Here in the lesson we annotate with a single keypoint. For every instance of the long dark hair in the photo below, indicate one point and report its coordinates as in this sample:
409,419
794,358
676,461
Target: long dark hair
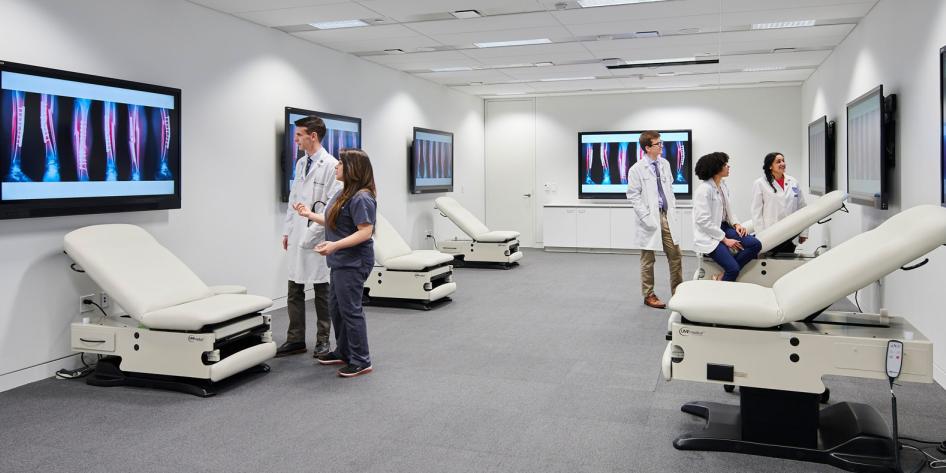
767,167
357,176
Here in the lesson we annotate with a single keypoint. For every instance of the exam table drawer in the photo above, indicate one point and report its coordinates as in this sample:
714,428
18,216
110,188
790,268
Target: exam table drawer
91,338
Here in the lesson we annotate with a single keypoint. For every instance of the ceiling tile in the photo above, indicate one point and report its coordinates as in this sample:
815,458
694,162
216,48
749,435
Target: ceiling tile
491,23
236,6
465,77
411,10
554,33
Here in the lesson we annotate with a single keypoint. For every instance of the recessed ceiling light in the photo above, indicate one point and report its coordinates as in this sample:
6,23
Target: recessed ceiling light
666,74
451,69
783,24
476,83
507,66
605,3
763,68
783,50
612,61
646,34
690,30
521,42
680,61
331,25
424,49
557,79
394,51
464,14
544,64
605,37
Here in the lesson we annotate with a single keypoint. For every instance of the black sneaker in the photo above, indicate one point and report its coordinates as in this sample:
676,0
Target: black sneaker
321,348
350,371
330,358
290,348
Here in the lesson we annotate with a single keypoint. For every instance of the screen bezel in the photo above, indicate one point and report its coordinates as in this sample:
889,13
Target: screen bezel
95,205
877,93
286,162
942,128
412,165
622,196
822,188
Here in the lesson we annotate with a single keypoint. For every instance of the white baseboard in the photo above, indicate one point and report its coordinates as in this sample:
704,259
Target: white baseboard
37,373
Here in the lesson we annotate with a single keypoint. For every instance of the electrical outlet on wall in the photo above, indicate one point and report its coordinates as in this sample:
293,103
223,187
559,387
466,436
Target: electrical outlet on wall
104,299
86,307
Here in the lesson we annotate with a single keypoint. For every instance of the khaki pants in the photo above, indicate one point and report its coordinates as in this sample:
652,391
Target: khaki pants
673,257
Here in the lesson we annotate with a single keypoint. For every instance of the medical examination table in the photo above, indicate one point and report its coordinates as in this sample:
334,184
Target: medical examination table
179,333
406,277
485,248
776,344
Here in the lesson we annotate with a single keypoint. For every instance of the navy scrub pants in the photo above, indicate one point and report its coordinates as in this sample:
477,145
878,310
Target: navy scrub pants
348,317
730,263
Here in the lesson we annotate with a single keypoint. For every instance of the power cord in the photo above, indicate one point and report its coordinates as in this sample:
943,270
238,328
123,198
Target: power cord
91,302
858,304
927,459
82,372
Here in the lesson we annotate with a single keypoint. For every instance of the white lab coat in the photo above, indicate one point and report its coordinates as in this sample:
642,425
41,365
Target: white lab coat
708,215
319,185
642,195
770,206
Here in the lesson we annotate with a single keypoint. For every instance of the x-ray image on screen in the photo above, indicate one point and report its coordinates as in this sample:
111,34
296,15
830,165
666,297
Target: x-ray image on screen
431,161
606,157
70,139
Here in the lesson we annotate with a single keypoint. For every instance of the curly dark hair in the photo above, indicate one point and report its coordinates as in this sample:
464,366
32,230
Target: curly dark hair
709,165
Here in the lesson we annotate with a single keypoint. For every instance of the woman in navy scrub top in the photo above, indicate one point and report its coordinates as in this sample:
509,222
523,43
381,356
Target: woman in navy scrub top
349,250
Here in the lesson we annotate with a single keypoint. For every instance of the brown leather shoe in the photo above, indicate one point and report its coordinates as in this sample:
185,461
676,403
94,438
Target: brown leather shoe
653,301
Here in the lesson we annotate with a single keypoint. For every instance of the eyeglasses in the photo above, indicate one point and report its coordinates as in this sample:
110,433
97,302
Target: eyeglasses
659,143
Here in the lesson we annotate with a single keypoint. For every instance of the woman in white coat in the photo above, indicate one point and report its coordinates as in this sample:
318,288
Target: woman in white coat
717,232
775,196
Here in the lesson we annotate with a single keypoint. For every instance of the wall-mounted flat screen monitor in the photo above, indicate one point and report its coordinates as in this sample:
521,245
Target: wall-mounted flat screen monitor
74,143
942,128
340,132
604,158
431,161
870,147
821,154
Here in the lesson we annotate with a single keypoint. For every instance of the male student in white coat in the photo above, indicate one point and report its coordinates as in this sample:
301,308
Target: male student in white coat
313,185
650,192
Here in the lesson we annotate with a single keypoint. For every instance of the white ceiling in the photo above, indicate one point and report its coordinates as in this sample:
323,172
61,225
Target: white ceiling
583,40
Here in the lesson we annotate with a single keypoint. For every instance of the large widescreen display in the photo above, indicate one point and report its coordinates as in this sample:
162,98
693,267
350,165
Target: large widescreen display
431,161
340,132
867,150
604,157
74,143
821,162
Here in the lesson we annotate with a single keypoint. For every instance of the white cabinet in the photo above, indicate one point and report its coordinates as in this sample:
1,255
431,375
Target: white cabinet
623,228
560,226
594,228
604,227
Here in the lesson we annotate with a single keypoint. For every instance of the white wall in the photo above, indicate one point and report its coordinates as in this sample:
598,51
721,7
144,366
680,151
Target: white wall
236,78
896,44
745,123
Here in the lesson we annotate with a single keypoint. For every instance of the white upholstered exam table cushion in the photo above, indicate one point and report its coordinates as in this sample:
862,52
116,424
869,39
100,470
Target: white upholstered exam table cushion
726,303
797,222
467,222
418,260
196,314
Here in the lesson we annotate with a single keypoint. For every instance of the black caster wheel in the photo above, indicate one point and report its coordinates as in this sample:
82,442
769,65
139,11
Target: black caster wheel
729,388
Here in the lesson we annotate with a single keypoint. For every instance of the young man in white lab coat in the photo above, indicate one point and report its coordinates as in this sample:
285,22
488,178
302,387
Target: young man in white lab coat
313,185
650,191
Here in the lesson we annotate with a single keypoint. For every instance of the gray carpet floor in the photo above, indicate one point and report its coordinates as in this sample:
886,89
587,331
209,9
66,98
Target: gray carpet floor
549,367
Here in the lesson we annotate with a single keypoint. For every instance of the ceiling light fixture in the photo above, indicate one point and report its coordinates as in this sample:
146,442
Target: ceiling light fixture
763,68
451,69
332,25
647,34
394,51
607,3
544,64
520,42
558,79
783,24
465,14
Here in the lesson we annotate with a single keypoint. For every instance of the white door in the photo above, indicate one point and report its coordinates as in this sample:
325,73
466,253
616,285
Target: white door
510,167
